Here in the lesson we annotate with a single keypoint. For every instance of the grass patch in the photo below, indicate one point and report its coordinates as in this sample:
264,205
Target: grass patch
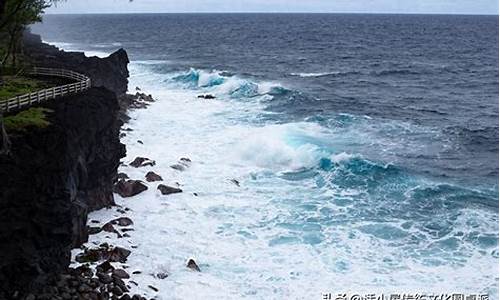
17,85
33,117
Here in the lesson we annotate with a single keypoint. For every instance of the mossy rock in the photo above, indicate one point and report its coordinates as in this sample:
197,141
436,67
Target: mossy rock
33,117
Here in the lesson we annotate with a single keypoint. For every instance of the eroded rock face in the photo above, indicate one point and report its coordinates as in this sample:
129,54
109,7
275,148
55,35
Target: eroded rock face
50,181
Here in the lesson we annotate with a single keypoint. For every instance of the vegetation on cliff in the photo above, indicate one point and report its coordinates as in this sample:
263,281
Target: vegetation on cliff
33,117
18,85
15,16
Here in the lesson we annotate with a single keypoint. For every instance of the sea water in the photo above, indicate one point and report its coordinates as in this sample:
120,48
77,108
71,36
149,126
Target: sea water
365,148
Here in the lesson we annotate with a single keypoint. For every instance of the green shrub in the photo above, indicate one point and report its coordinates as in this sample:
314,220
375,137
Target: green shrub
33,117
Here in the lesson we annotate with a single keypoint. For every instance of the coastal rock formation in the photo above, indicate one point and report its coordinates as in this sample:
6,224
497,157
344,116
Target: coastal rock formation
110,72
49,181
83,283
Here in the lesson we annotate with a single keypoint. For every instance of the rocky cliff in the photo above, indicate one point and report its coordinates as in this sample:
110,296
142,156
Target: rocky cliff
49,182
110,72
53,176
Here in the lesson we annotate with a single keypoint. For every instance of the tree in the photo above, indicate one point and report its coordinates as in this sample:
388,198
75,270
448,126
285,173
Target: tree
17,15
29,13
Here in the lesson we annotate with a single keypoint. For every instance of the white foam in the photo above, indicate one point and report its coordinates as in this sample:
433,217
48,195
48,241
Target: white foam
74,48
306,75
272,147
256,241
340,157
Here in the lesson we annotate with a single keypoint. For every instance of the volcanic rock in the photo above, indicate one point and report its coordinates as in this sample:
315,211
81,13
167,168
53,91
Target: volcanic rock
161,275
152,176
105,267
120,273
193,266
108,227
122,221
207,96
119,254
129,188
142,162
153,288
167,190
93,229
121,176
104,278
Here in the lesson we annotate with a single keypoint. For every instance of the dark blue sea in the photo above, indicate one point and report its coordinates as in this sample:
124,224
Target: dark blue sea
365,147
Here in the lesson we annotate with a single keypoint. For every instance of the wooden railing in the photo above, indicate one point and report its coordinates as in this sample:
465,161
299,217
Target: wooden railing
81,83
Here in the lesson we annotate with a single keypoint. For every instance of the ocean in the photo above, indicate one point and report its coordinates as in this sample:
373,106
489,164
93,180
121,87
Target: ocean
365,148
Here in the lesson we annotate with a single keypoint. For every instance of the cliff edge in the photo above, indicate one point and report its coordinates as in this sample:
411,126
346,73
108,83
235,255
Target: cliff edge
54,175
110,72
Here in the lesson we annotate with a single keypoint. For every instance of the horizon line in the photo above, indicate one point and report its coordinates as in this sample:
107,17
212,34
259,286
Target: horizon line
277,12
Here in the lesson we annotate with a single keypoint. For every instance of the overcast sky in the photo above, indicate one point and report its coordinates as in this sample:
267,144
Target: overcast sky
362,6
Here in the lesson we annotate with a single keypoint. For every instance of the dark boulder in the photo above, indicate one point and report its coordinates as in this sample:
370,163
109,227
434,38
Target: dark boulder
120,273
167,190
119,254
193,266
152,176
89,255
129,188
93,229
122,221
105,267
104,278
144,97
108,227
162,275
153,288
142,162
207,96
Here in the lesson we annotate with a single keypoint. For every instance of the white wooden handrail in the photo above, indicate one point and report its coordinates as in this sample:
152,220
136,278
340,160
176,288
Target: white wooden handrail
16,103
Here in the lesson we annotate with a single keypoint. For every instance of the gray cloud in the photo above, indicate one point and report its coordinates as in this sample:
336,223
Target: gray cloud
361,6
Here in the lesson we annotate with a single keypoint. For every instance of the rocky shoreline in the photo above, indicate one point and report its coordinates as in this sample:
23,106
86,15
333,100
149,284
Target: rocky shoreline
52,178
104,265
